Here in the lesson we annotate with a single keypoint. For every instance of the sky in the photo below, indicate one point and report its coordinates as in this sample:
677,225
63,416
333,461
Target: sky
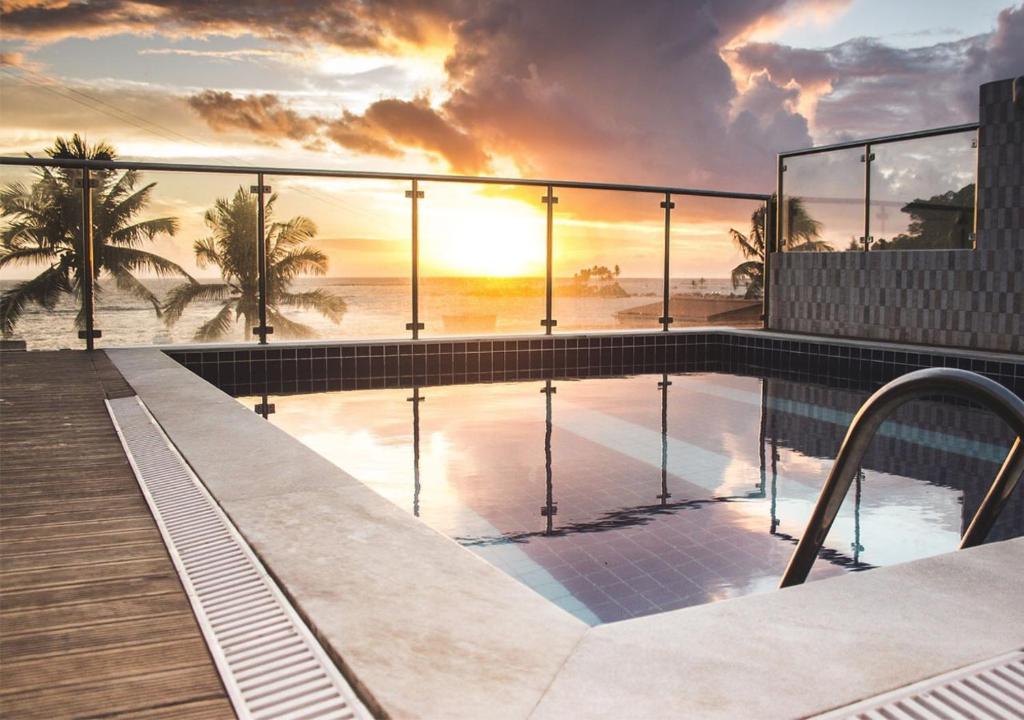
668,92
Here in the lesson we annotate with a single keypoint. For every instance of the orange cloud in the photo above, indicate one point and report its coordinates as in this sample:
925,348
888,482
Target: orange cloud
387,128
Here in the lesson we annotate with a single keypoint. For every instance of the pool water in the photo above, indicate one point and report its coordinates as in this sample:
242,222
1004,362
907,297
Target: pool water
621,497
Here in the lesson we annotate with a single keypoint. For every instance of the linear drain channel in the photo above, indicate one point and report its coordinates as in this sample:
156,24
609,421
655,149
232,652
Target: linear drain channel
993,690
271,665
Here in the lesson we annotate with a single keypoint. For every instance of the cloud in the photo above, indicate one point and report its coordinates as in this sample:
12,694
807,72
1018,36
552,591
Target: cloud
386,128
12,59
654,92
263,115
628,93
235,55
865,87
344,23
415,123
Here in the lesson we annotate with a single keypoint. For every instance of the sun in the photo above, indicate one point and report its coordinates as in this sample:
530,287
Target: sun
462,234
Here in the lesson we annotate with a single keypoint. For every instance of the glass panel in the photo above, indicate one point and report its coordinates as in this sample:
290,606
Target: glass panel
40,258
354,282
482,260
716,262
608,260
176,254
824,201
922,193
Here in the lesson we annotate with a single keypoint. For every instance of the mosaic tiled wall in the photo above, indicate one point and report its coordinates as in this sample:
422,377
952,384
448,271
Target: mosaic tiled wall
352,366
1001,165
958,298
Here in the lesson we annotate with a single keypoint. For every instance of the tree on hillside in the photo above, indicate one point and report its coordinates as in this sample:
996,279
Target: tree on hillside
231,247
43,228
940,222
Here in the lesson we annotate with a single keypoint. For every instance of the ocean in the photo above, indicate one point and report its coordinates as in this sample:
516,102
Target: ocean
376,308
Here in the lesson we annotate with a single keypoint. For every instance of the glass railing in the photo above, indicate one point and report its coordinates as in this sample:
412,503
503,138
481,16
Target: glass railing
40,256
186,254
914,191
176,255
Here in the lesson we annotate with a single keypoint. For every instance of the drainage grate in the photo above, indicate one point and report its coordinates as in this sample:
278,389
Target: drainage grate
993,689
271,665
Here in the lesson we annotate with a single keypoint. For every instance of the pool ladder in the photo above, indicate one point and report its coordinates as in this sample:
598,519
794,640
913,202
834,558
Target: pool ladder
920,383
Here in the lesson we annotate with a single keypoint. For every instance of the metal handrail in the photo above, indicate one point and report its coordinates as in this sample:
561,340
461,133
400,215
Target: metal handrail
884,139
370,175
920,383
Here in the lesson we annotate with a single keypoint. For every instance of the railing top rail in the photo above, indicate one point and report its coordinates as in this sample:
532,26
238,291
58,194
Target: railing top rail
850,144
368,175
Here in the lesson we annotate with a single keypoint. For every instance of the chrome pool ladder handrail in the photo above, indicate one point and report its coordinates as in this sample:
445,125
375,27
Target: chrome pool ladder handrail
920,383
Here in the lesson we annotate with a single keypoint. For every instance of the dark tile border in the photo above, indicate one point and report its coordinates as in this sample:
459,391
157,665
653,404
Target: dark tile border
351,366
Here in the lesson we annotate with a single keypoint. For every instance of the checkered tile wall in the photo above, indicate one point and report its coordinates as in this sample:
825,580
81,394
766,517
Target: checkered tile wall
955,298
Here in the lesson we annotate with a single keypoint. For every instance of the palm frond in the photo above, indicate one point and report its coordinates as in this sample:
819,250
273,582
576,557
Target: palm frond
27,256
130,284
181,296
327,304
286,328
115,212
135,234
127,258
302,260
283,236
218,326
747,246
43,290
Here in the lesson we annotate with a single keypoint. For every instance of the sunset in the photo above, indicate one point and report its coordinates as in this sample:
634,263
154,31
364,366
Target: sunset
511,359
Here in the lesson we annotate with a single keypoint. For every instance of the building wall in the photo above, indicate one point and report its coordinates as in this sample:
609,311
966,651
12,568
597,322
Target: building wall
959,298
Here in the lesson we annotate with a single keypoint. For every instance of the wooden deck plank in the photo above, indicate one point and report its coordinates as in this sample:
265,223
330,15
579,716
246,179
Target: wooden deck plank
92,638
91,591
70,558
126,695
93,619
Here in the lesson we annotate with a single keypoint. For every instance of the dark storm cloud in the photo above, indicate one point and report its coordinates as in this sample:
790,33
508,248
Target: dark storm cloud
610,91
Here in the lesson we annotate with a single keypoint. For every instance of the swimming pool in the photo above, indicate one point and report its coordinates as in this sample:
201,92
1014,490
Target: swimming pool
621,497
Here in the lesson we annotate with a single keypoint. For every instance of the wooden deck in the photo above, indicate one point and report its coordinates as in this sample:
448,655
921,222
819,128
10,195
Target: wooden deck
93,619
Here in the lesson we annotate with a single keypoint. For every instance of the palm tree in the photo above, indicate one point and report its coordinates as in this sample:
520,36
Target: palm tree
232,248
804,233
44,228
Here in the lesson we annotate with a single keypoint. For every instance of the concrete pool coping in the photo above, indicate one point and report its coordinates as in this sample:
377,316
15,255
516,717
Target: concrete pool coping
424,628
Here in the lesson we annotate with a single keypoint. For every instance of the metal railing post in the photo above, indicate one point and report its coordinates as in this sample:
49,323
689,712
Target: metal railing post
866,158
415,195
87,271
260,189
416,399
768,231
665,318
550,508
780,208
550,200
663,386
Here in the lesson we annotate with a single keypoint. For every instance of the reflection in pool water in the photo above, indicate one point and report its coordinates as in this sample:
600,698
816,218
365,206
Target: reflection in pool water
621,497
